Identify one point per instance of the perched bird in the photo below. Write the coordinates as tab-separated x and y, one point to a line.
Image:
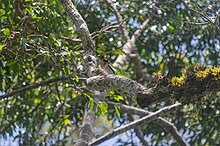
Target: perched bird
106	67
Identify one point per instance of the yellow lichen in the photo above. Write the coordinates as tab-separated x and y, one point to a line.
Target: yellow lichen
201	74
215	71
178	81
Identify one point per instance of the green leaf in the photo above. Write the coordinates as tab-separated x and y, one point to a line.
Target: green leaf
62	98
66	70
100	36
7	32
2	12
118	97
37	101
3	84
170	27
11	62
37	91
117	110
61	59
121	72
1	47
102	108
77	78
91	102
66	122
118	52
74	94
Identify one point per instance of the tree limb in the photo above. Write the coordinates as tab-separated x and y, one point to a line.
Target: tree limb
137	33
89	64
203	14
117	82
132	125
129	47
81	27
159	121
87	129
197	82
35	85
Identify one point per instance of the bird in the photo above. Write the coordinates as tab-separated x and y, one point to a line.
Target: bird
107	67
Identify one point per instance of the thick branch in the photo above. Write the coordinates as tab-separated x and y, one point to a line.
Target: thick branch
81	27
129	48
122	60
35	85
197	82
87	129
119	83
88	65
132	125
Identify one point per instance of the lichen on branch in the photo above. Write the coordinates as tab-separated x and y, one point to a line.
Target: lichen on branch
195	83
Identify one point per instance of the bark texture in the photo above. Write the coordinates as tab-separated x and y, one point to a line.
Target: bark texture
81	27
197	82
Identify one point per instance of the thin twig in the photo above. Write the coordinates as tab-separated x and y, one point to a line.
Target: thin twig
202	13
120	19
106	29
72	41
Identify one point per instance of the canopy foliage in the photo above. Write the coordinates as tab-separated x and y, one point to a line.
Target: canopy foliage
39	43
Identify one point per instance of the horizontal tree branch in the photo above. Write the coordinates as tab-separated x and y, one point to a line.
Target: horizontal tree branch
35	85
107	28
117	82
159	121
71	41
194	84
197	82
132	125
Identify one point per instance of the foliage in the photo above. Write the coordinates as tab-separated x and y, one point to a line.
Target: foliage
33	48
